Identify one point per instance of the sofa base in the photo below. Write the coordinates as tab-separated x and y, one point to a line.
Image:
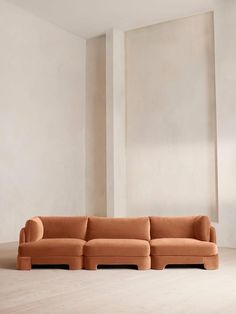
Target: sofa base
209	262
25	263
91	262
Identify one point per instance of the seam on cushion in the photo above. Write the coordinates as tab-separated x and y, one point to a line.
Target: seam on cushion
188	255
177	238
57	256
86	231
195	221
30	230
115	256
120	239
43	227
52	256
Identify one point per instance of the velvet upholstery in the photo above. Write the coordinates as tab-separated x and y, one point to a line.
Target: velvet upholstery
34	229
86	242
208	262
65	227
183	240
52	247
118	228
22	236
212	234
202	228
197	227
117	241
142	262
52	240
117	247
26	262
182	246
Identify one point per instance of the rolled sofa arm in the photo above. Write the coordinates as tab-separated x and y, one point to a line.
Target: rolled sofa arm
33	230
212	234
22	236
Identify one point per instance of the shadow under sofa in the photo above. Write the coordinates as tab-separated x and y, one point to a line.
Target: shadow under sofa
148	242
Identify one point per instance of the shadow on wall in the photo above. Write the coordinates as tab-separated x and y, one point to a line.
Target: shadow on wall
171	118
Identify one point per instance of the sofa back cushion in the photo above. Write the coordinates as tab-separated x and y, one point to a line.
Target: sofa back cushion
118	228
197	227
65	227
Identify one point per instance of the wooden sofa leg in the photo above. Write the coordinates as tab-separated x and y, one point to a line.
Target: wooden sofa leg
211	262
24	263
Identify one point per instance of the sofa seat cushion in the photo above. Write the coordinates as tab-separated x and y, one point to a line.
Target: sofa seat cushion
117	247
52	247
182	247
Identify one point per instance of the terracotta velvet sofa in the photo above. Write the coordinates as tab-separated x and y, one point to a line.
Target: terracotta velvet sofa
183	240
118	241
148	242
52	240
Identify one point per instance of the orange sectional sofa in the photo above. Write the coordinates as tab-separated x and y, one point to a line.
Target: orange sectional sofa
148	242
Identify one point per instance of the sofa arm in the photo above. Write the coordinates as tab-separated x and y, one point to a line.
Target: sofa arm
201	227
22	236
33	229
212	234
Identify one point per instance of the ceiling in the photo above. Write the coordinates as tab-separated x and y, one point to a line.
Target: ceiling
90	18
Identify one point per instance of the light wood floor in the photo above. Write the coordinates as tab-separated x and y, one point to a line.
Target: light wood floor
176	290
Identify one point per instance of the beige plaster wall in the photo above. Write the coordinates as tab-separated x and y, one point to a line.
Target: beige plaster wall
96	126
42	99
171	118
225	56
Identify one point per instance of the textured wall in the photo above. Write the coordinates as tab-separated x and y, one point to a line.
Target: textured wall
42	95
171	118
96	126
225	52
